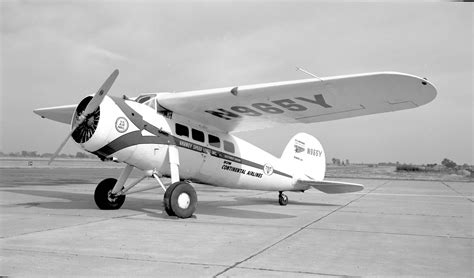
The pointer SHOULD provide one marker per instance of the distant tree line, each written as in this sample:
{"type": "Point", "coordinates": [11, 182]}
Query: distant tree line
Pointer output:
{"type": "Point", "coordinates": [447, 165]}
{"type": "Point", "coordinates": [36, 154]}
{"type": "Point", "coordinates": [339, 162]}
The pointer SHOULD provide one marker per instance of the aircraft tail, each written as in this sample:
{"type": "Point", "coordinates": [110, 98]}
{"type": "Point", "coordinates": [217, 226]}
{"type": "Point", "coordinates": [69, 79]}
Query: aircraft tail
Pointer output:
{"type": "Point", "coordinates": [304, 154]}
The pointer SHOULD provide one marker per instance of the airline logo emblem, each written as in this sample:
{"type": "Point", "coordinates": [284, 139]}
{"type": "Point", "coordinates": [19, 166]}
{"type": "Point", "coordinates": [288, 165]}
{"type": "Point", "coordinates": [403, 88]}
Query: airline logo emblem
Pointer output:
{"type": "Point", "coordinates": [298, 149]}
{"type": "Point", "coordinates": [268, 169]}
{"type": "Point", "coordinates": [299, 146]}
{"type": "Point", "coordinates": [121, 124]}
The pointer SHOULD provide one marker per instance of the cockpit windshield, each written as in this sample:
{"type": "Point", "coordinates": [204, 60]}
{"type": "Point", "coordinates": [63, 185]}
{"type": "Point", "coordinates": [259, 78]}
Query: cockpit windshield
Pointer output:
{"type": "Point", "coordinates": [151, 100]}
{"type": "Point", "coordinates": [148, 100]}
{"type": "Point", "coordinates": [143, 98]}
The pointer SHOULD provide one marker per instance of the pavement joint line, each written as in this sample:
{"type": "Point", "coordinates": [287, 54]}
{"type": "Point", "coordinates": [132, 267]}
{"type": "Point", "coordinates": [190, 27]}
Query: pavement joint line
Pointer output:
{"type": "Point", "coordinates": [213, 223]}
{"type": "Point", "coordinates": [69, 226]}
{"type": "Point", "coordinates": [297, 231]}
{"type": "Point", "coordinates": [404, 214]}
{"type": "Point", "coordinates": [389, 233]}
{"type": "Point", "coordinates": [415, 195]}
{"type": "Point", "coordinates": [108, 257]}
{"type": "Point", "coordinates": [420, 201]}
{"type": "Point", "coordinates": [457, 192]}
{"type": "Point", "coordinates": [295, 271]}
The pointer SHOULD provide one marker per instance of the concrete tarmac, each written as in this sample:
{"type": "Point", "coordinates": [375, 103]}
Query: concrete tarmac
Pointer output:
{"type": "Point", "coordinates": [50, 226]}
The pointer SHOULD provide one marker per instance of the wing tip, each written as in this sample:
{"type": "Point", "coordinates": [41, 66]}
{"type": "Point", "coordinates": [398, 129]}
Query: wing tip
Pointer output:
{"type": "Point", "coordinates": [39, 112]}
{"type": "Point", "coordinates": [428, 89]}
{"type": "Point", "coordinates": [62, 114]}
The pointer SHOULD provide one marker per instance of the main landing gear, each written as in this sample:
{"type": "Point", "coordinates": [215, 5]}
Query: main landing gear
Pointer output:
{"type": "Point", "coordinates": [104, 198]}
{"type": "Point", "coordinates": [282, 199]}
{"type": "Point", "coordinates": [180, 198]}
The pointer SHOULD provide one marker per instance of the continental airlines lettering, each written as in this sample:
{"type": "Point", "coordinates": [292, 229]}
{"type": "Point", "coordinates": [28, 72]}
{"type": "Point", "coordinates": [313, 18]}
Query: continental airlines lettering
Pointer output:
{"type": "Point", "coordinates": [227, 164]}
{"type": "Point", "coordinates": [277, 107]}
{"type": "Point", "coordinates": [241, 171]}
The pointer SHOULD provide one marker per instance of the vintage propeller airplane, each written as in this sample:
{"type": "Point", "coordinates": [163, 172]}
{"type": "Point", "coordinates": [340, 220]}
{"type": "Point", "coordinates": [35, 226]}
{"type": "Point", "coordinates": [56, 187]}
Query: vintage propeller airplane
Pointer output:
{"type": "Point", "coordinates": [187, 136]}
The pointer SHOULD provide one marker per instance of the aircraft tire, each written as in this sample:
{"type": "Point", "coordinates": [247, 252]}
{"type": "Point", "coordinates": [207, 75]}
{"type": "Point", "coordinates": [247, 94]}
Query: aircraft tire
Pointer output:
{"type": "Point", "coordinates": [167, 198]}
{"type": "Point", "coordinates": [180, 200]}
{"type": "Point", "coordinates": [102, 197]}
{"type": "Point", "coordinates": [282, 199]}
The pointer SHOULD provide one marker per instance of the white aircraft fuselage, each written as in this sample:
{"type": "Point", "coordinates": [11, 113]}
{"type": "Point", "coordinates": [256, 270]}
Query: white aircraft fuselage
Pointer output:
{"type": "Point", "coordinates": [138, 135]}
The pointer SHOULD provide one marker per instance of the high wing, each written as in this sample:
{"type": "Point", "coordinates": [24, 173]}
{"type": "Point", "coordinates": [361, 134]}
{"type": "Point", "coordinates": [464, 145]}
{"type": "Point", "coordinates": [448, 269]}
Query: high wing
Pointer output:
{"type": "Point", "coordinates": [62, 114]}
{"type": "Point", "coordinates": [252, 107]}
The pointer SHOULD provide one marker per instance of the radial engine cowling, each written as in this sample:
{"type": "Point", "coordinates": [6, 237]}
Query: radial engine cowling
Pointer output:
{"type": "Point", "coordinates": [101, 127]}
{"type": "Point", "coordinates": [85, 130]}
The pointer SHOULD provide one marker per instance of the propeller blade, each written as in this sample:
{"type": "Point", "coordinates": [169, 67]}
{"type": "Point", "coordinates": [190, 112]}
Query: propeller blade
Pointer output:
{"type": "Point", "coordinates": [78, 123]}
{"type": "Point", "coordinates": [90, 108]}
{"type": "Point", "coordinates": [60, 148]}
{"type": "Point", "coordinates": [101, 93]}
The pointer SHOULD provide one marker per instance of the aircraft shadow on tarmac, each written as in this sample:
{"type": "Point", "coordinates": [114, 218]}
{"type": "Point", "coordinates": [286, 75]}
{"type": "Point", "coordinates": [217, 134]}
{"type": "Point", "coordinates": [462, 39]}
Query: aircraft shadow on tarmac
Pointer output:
{"type": "Point", "coordinates": [154, 208]}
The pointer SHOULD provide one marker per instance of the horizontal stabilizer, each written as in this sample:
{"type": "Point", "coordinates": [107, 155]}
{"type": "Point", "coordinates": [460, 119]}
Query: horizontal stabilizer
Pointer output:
{"type": "Point", "coordinates": [332, 187]}
{"type": "Point", "coordinates": [62, 114]}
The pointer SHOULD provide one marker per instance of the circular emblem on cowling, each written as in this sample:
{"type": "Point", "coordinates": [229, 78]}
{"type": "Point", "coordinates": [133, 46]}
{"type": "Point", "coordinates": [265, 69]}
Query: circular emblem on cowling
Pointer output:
{"type": "Point", "coordinates": [121, 124]}
{"type": "Point", "coordinates": [267, 169]}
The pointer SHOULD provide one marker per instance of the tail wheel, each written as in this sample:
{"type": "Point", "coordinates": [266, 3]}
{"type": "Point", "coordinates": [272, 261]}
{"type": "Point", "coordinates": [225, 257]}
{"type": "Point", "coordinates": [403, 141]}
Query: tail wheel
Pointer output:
{"type": "Point", "coordinates": [180, 200]}
{"type": "Point", "coordinates": [103, 195]}
{"type": "Point", "coordinates": [282, 199]}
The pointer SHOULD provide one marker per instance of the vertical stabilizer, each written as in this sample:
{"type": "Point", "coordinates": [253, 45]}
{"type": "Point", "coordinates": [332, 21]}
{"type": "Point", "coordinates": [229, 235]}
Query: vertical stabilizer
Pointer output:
{"type": "Point", "coordinates": [305, 156]}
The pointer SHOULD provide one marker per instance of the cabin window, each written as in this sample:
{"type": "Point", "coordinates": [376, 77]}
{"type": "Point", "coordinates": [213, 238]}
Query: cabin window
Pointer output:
{"type": "Point", "coordinates": [197, 135]}
{"type": "Point", "coordinates": [229, 147]}
{"type": "Point", "coordinates": [182, 130]}
{"type": "Point", "coordinates": [214, 141]}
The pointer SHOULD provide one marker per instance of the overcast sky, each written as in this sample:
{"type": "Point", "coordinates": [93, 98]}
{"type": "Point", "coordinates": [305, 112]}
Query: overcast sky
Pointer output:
{"type": "Point", "coordinates": [55, 54]}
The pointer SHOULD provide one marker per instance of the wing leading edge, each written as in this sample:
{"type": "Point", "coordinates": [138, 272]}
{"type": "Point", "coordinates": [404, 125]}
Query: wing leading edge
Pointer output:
{"type": "Point", "coordinates": [260, 106]}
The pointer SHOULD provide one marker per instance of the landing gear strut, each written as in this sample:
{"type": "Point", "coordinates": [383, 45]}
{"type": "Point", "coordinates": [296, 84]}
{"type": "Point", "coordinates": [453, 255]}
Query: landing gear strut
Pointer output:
{"type": "Point", "coordinates": [282, 199]}
{"type": "Point", "coordinates": [180, 198]}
